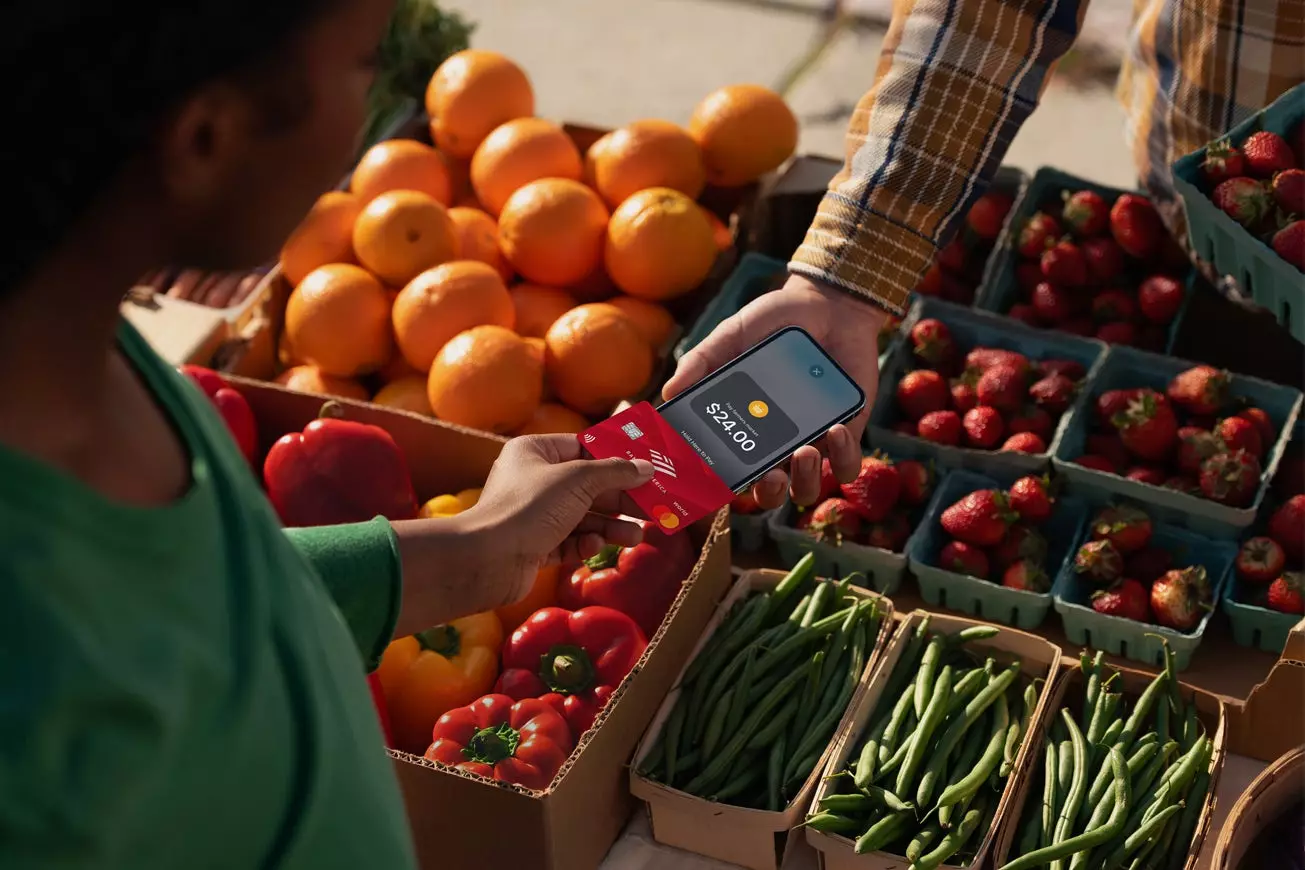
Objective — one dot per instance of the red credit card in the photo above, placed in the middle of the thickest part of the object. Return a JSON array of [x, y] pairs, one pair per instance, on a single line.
[[683, 489]]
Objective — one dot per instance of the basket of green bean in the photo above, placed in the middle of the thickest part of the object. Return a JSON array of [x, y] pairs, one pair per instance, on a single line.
[[1121, 776], [935, 746], [731, 758]]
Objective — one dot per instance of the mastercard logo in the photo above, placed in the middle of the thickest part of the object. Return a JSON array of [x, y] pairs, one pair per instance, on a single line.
[[665, 517]]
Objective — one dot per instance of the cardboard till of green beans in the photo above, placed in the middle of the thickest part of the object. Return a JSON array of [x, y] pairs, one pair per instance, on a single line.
[[1039, 659], [759, 839], [1069, 692]]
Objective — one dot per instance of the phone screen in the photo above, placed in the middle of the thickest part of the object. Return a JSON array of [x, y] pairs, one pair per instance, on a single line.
[[750, 415]]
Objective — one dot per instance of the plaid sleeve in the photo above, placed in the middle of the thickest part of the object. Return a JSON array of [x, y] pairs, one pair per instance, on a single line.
[[956, 79]]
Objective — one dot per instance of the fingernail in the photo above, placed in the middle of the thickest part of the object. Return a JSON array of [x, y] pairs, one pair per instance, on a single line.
[[644, 467], [807, 464]]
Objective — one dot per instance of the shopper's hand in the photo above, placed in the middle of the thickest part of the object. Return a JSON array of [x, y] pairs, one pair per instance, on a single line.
[[847, 328]]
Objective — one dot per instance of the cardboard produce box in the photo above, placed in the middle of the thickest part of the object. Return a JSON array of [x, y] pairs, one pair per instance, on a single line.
[[1068, 691], [462, 822], [1039, 659], [757, 839]]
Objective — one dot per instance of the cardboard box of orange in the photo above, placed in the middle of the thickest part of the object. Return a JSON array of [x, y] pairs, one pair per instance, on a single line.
[[460, 822]]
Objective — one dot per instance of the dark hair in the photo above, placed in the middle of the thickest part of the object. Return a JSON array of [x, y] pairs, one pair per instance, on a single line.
[[86, 83]]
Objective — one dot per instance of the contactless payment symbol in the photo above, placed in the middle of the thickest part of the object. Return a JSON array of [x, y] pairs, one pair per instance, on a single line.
[[665, 517], [758, 408]]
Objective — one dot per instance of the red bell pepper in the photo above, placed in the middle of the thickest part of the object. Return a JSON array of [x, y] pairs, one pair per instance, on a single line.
[[641, 581], [579, 656], [522, 742], [232, 407], [338, 471], [378, 700]]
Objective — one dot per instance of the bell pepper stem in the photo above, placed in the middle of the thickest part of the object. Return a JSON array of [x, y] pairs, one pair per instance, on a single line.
[[331, 410], [567, 670], [442, 639], [606, 558], [492, 745]]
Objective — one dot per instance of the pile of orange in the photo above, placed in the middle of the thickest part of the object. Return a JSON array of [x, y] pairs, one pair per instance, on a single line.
[[502, 279]]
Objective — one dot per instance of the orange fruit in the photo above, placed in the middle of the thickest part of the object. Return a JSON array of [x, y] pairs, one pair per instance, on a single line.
[[645, 154], [324, 236], [653, 321], [744, 132], [405, 394], [486, 378], [720, 232], [459, 170], [552, 231], [518, 153], [403, 233], [478, 239], [338, 319], [537, 307], [596, 357], [311, 379], [441, 302], [660, 245], [594, 287], [402, 164], [551, 418], [470, 94]]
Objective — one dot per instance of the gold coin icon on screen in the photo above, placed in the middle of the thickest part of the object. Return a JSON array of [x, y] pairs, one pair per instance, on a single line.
[[758, 408]]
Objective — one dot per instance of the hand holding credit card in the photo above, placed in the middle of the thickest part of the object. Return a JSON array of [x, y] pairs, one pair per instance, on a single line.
[[729, 429]]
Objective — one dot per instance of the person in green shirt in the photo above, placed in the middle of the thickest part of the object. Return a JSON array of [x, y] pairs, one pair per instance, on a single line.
[[181, 680]]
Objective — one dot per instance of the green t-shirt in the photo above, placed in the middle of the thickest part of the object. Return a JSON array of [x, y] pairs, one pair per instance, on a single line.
[[182, 686]]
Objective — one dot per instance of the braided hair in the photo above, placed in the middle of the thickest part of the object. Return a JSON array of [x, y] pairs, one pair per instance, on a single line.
[[86, 82]]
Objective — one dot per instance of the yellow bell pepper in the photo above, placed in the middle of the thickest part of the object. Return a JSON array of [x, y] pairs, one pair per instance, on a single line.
[[426, 675], [450, 505]]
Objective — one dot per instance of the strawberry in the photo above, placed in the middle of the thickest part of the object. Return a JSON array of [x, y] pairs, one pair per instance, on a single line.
[[1063, 263], [1147, 474], [963, 396], [1180, 597], [917, 482], [1242, 199], [1263, 423], [1238, 433], [952, 256], [1267, 153], [1260, 560], [1096, 463], [1112, 305], [1070, 368], [1028, 276], [1287, 527], [988, 214], [1025, 314], [891, 534], [1288, 188], [1022, 542], [745, 504], [980, 518], [1078, 326], [1054, 393], [940, 427], [1289, 243], [888, 332], [964, 558], [1127, 598], [1109, 447], [983, 358], [1100, 562], [1136, 226], [1105, 259], [1027, 577], [1285, 593], [1148, 564], [1003, 387], [1222, 161], [828, 482], [932, 343], [1113, 402], [1183, 483], [1030, 499], [1086, 214], [1199, 390], [1053, 304], [1038, 233], [874, 492], [1194, 447], [921, 392], [1148, 426], [931, 283], [1024, 442], [1160, 297], [1033, 419], [1119, 332], [983, 426], [833, 520], [1231, 478], [1128, 528]]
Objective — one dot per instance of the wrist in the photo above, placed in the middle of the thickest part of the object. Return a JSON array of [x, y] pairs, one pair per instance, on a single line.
[[854, 304], [452, 567]]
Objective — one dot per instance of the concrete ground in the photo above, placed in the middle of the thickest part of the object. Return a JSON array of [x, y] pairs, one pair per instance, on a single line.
[[607, 62]]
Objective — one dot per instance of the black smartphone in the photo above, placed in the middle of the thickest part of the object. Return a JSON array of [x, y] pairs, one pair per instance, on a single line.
[[750, 415]]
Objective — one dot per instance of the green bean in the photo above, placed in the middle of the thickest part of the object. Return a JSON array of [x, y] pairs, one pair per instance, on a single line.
[[1162, 720], [1179, 777], [884, 831], [1107, 703], [955, 766], [1093, 693], [924, 838], [973, 710], [864, 769], [699, 708], [973, 633], [1111, 737], [1186, 828], [741, 699], [810, 694], [674, 725], [1018, 730], [775, 774], [1077, 789], [1171, 669], [1146, 783], [1102, 780], [1147, 831], [820, 598], [800, 612], [1141, 711], [1031, 836], [730, 636], [894, 762], [953, 842], [968, 784], [716, 722], [1050, 782], [796, 578], [833, 823], [901, 710], [819, 629], [848, 804], [737, 785], [924, 678], [1153, 852], [1191, 727], [818, 736], [966, 688], [775, 727], [908, 662], [806, 766], [928, 723], [886, 799]]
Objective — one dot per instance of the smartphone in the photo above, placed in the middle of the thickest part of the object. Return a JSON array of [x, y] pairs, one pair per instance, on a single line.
[[750, 415]]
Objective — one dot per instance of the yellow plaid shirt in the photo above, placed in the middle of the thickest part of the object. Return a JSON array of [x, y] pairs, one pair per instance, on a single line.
[[957, 78]]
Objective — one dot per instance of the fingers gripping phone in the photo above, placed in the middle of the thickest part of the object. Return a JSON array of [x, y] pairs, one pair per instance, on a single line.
[[750, 415]]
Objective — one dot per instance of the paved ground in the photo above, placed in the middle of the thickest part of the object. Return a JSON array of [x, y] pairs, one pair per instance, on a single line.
[[607, 62]]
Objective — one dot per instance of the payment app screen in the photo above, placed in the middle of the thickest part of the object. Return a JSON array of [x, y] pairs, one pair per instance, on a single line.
[[742, 428]]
